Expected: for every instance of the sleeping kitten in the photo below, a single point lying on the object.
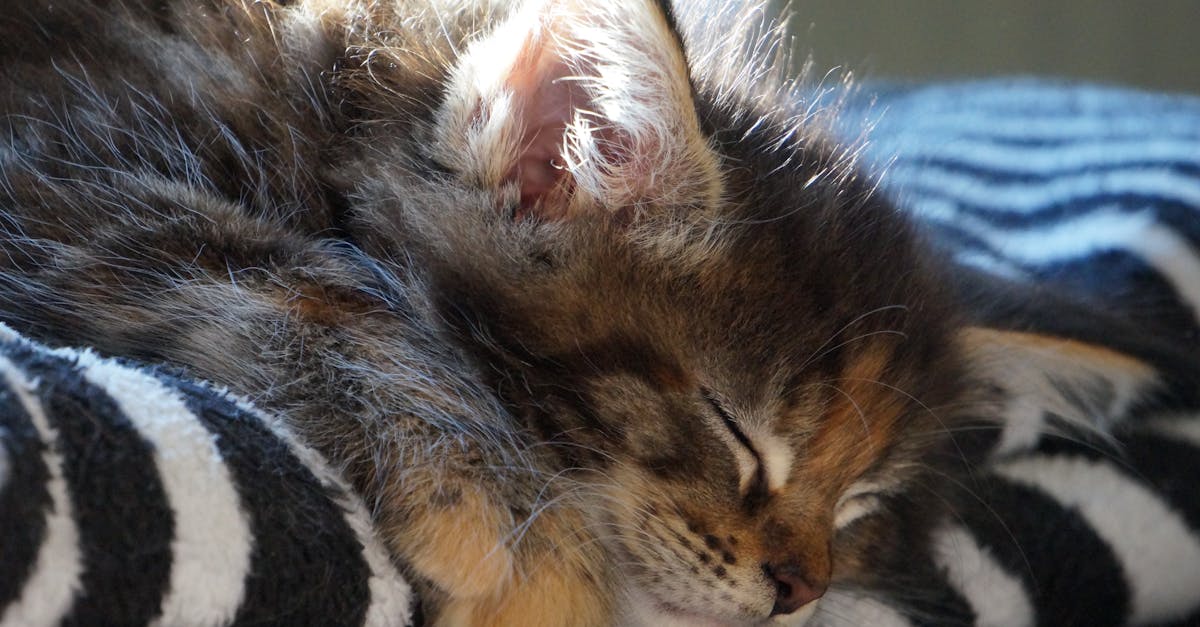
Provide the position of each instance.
(602, 329)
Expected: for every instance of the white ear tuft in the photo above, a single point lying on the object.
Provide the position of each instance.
(578, 105)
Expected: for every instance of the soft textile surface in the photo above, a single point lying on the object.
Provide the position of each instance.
(1089, 194)
(128, 496)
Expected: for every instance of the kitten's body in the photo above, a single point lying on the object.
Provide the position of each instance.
(688, 377)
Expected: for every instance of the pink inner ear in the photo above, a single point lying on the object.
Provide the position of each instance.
(547, 103)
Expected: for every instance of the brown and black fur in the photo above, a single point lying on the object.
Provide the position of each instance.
(245, 190)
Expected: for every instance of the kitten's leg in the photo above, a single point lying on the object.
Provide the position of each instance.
(346, 352)
(462, 537)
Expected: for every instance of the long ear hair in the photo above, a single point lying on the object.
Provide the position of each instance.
(573, 106)
(1082, 385)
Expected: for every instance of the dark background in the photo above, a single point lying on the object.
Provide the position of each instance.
(1154, 44)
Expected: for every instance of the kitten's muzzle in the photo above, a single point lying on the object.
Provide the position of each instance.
(792, 589)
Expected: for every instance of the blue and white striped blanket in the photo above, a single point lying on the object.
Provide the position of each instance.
(128, 496)
(1093, 189)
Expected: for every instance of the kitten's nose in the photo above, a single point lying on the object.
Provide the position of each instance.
(792, 590)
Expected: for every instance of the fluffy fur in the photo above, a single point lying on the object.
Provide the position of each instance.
(594, 321)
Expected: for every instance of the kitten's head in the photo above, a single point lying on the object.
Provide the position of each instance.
(734, 348)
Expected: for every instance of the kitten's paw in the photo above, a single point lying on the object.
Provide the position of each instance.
(553, 594)
(467, 547)
(459, 545)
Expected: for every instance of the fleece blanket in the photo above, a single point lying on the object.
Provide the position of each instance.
(130, 497)
(1091, 194)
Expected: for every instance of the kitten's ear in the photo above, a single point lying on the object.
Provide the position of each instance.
(579, 105)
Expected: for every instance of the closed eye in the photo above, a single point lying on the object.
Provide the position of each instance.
(752, 480)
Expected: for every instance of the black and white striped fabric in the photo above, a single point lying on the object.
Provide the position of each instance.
(1094, 193)
(129, 497)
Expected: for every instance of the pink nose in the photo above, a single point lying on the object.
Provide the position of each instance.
(793, 591)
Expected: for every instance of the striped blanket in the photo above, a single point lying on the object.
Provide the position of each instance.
(129, 496)
(1092, 195)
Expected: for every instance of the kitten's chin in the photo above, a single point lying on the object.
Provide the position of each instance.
(643, 610)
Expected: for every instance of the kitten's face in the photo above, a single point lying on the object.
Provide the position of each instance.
(728, 416)
(736, 355)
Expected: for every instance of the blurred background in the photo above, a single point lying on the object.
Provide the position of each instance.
(1153, 44)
